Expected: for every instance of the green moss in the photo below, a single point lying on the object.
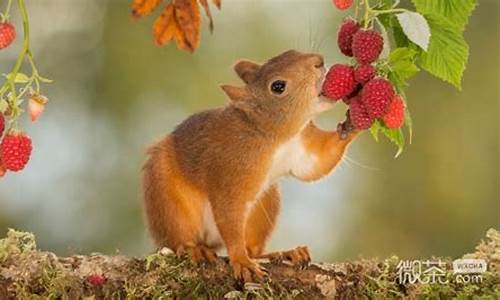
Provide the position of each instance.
(33, 274)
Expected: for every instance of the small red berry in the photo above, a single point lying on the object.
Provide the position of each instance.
(359, 115)
(339, 82)
(367, 46)
(345, 35)
(96, 279)
(376, 96)
(7, 34)
(395, 116)
(343, 4)
(15, 151)
(364, 73)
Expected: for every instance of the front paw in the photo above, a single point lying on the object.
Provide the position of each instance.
(244, 268)
(346, 128)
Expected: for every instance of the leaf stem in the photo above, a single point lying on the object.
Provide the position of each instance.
(25, 50)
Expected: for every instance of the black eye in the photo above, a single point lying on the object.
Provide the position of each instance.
(278, 86)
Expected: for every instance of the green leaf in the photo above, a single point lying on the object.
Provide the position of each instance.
(20, 77)
(448, 52)
(396, 136)
(402, 53)
(416, 28)
(408, 121)
(3, 106)
(385, 36)
(457, 12)
(45, 80)
(375, 129)
(401, 62)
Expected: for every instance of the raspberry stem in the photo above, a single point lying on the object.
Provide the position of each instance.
(10, 84)
(5, 16)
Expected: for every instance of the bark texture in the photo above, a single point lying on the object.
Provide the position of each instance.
(27, 273)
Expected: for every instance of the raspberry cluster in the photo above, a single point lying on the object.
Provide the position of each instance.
(369, 95)
(15, 149)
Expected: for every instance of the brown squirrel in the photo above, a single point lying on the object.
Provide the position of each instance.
(213, 182)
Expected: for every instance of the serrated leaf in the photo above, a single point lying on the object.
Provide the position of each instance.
(416, 28)
(405, 69)
(401, 61)
(448, 52)
(402, 53)
(455, 11)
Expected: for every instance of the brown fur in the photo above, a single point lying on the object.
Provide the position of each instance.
(223, 157)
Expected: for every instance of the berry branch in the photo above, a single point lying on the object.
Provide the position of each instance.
(15, 147)
(389, 45)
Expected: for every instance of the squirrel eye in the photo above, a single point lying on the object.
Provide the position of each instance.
(278, 86)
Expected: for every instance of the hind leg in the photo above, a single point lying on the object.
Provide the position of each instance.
(262, 220)
(173, 206)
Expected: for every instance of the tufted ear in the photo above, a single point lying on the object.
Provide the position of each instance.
(235, 93)
(246, 70)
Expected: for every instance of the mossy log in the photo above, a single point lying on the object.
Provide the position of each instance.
(27, 273)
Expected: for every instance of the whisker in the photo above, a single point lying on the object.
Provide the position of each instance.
(354, 162)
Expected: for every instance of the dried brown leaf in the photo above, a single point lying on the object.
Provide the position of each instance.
(187, 15)
(141, 8)
(204, 4)
(180, 21)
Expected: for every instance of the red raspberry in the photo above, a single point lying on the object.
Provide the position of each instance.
(15, 151)
(376, 96)
(342, 4)
(2, 124)
(364, 73)
(367, 46)
(96, 279)
(7, 34)
(339, 82)
(359, 115)
(395, 116)
(345, 35)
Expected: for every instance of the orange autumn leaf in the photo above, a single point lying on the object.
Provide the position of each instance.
(180, 21)
(204, 4)
(141, 8)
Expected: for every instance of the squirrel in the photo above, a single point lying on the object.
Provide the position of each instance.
(213, 182)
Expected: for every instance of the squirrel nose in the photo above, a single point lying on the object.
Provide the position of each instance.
(318, 61)
(320, 64)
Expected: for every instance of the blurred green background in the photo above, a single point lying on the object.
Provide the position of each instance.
(115, 92)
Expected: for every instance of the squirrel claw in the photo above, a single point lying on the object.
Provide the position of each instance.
(244, 271)
(345, 128)
(199, 254)
(299, 256)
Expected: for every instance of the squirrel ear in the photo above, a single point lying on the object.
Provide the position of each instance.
(236, 93)
(246, 70)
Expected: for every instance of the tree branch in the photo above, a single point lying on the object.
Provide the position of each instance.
(26, 272)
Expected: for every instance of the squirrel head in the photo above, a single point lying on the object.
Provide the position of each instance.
(284, 90)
